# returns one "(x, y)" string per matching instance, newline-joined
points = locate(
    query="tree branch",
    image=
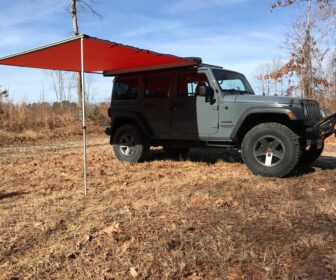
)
(87, 6)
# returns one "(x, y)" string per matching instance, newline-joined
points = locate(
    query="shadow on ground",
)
(325, 163)
(233, 156)
(200, 155)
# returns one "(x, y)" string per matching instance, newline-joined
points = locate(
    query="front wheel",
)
(271, 149)
(129, 144)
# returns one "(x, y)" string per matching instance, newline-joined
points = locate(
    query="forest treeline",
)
(309, 69)
(306, 68)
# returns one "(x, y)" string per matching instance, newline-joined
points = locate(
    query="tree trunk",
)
(76, 33)
(307, 79)
(333, 73)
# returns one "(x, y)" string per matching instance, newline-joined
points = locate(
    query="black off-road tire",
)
(308, 157)
(288, 150)
(176, 151)
(129, 144)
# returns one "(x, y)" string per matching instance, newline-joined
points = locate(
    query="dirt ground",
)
(205, 217)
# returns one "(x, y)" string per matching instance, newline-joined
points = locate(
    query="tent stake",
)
(83, 117)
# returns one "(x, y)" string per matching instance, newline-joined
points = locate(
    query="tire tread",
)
(285, 131)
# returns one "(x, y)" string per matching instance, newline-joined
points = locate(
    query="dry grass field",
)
(205, 217)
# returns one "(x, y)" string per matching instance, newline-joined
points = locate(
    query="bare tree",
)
(271, 80)
(77, 6)
(303, 43)
(306, 69)
(89, 86)
(76, 33)
(307, 56)
(328, 17)
(286, 3)
(263, 81)
(3, 94)
(61, 85)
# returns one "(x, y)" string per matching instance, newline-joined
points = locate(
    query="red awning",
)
(85, 54)
(99, 56)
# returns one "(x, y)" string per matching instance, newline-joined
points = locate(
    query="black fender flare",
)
(284, 111)
(127, 118)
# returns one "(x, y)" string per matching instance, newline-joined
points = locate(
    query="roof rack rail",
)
(195, 58)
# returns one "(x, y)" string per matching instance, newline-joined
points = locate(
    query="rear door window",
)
(126, 89)
(157, 86)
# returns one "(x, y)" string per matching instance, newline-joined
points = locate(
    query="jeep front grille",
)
(312, 110)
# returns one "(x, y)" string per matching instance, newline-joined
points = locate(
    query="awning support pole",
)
(83, 116)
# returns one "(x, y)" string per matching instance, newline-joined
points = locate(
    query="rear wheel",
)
(271, 149)
(129, 144)
(311, 155)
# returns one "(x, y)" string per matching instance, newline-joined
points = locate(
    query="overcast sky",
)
(235, 34)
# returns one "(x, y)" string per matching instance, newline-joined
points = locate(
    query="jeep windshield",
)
(232, 82)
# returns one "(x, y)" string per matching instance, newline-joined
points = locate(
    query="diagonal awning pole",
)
(83, 117)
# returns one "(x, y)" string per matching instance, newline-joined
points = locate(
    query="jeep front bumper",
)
(327, 126)
(322, 130)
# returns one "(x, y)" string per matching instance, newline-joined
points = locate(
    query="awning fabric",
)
(99, 56)
(87, 54)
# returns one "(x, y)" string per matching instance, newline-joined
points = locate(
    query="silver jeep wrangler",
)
(207, 106)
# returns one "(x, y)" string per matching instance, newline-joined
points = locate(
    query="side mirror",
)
(202, 90)
(209, 94)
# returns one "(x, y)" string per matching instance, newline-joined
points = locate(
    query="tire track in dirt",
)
(51, 148)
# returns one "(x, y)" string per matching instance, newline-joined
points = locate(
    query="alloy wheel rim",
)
(269, 151)
(127, 144)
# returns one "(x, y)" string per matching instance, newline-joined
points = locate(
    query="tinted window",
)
(188, 83)
(126, 89)
(157, 86)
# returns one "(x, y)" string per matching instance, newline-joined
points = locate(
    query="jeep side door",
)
(156, 104)
(233, 86)
(193, 118)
